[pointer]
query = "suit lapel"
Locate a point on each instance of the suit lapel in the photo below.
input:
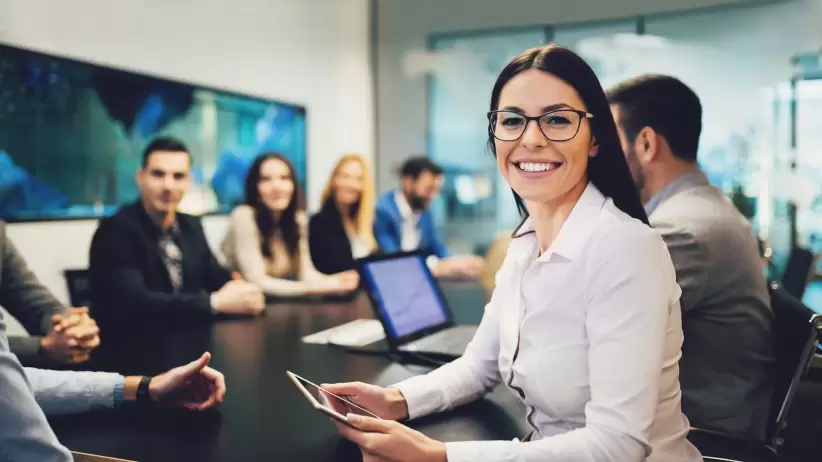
(189, 251)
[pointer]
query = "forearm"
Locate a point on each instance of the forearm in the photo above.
(589, 444)
(279, 286)
(449, 386)
(121, 300)
(69, 392)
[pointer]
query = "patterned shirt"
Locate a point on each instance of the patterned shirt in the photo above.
(172, 255)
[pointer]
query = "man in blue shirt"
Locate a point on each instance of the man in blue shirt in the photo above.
(403, 221)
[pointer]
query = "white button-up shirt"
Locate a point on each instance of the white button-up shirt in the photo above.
(410, 233)
(588, 335)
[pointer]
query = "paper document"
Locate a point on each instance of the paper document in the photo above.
(84, 457)
(359, 332)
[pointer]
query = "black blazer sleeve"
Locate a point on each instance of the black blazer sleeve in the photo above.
(118, 287)
(216, 274)
(329, 246)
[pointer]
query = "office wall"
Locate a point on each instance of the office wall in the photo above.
(404, 26)
(310, 52)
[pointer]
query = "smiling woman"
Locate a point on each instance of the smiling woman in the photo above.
(587, 293)
(267, 239)
(573, 118)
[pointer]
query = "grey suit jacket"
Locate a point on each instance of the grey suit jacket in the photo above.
(727, 355)
(22, 295)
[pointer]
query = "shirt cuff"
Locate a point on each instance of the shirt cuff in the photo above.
(27, 350)
(432, 261)
(212, 302)
(475, 451)
(119, 393)
(422, 396)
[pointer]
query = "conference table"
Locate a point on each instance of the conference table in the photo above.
(264, 416)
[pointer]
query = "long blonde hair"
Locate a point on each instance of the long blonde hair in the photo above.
(364, 222)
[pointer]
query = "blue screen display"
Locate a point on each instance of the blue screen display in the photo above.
(405, 295)
(72, 136)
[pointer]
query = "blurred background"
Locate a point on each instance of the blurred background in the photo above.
(85, 84)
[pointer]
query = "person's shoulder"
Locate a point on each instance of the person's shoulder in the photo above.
(242, 214)
(189, 222)
(617, 232)
(704, 214)
(125, 218)
(385, 200)
(320, 219)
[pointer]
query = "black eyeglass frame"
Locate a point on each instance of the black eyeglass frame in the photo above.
(582, 115)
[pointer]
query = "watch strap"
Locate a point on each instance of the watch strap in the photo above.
(143, 396)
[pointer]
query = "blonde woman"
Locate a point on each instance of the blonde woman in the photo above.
(266, 240)
(342, 230)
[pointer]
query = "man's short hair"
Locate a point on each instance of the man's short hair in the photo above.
(664, 104)
(166, 143)
(416, 166)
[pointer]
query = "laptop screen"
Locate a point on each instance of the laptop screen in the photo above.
(405, 294)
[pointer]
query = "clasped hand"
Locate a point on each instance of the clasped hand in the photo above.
(72, 337)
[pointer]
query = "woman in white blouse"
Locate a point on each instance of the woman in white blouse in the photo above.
(267, 237)
(584, 323)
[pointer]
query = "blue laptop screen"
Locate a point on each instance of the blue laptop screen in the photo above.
(405, 294)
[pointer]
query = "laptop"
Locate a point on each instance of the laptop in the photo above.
(408, 302)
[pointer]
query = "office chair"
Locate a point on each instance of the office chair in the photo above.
(796, 330)
(79, 288)
(798, 271)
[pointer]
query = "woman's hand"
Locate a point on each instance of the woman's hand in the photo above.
(390, 441)
(337, 284)
(388, 403)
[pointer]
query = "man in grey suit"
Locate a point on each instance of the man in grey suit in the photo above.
(60, 335)
(727, 355)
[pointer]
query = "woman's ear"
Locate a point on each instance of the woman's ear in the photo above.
(594, 148)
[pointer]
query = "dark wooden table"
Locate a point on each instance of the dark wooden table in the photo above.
(264, 417)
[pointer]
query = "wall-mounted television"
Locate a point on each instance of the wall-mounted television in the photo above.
(72, 136)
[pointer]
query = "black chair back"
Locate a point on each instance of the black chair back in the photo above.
(798, 271)
(79, 288)
(795, 334)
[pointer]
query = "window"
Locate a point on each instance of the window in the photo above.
(476, 201)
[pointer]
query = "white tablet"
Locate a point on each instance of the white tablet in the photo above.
(326, 402)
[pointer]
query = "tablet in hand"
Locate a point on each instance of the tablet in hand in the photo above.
(326, 402)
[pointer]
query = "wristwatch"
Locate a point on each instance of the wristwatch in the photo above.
(143, 396)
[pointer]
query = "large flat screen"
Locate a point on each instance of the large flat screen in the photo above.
(72, 136)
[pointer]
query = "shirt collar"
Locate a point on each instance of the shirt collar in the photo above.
(173, 230)
(684, 181)
(406, 212)
(575, 231)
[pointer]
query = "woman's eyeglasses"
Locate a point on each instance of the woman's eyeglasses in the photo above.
(558, 125)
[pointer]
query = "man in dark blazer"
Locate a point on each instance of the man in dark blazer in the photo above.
(59, 335)
(148, 262)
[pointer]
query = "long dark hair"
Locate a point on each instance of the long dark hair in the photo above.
(268, 226)
(608, 170)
